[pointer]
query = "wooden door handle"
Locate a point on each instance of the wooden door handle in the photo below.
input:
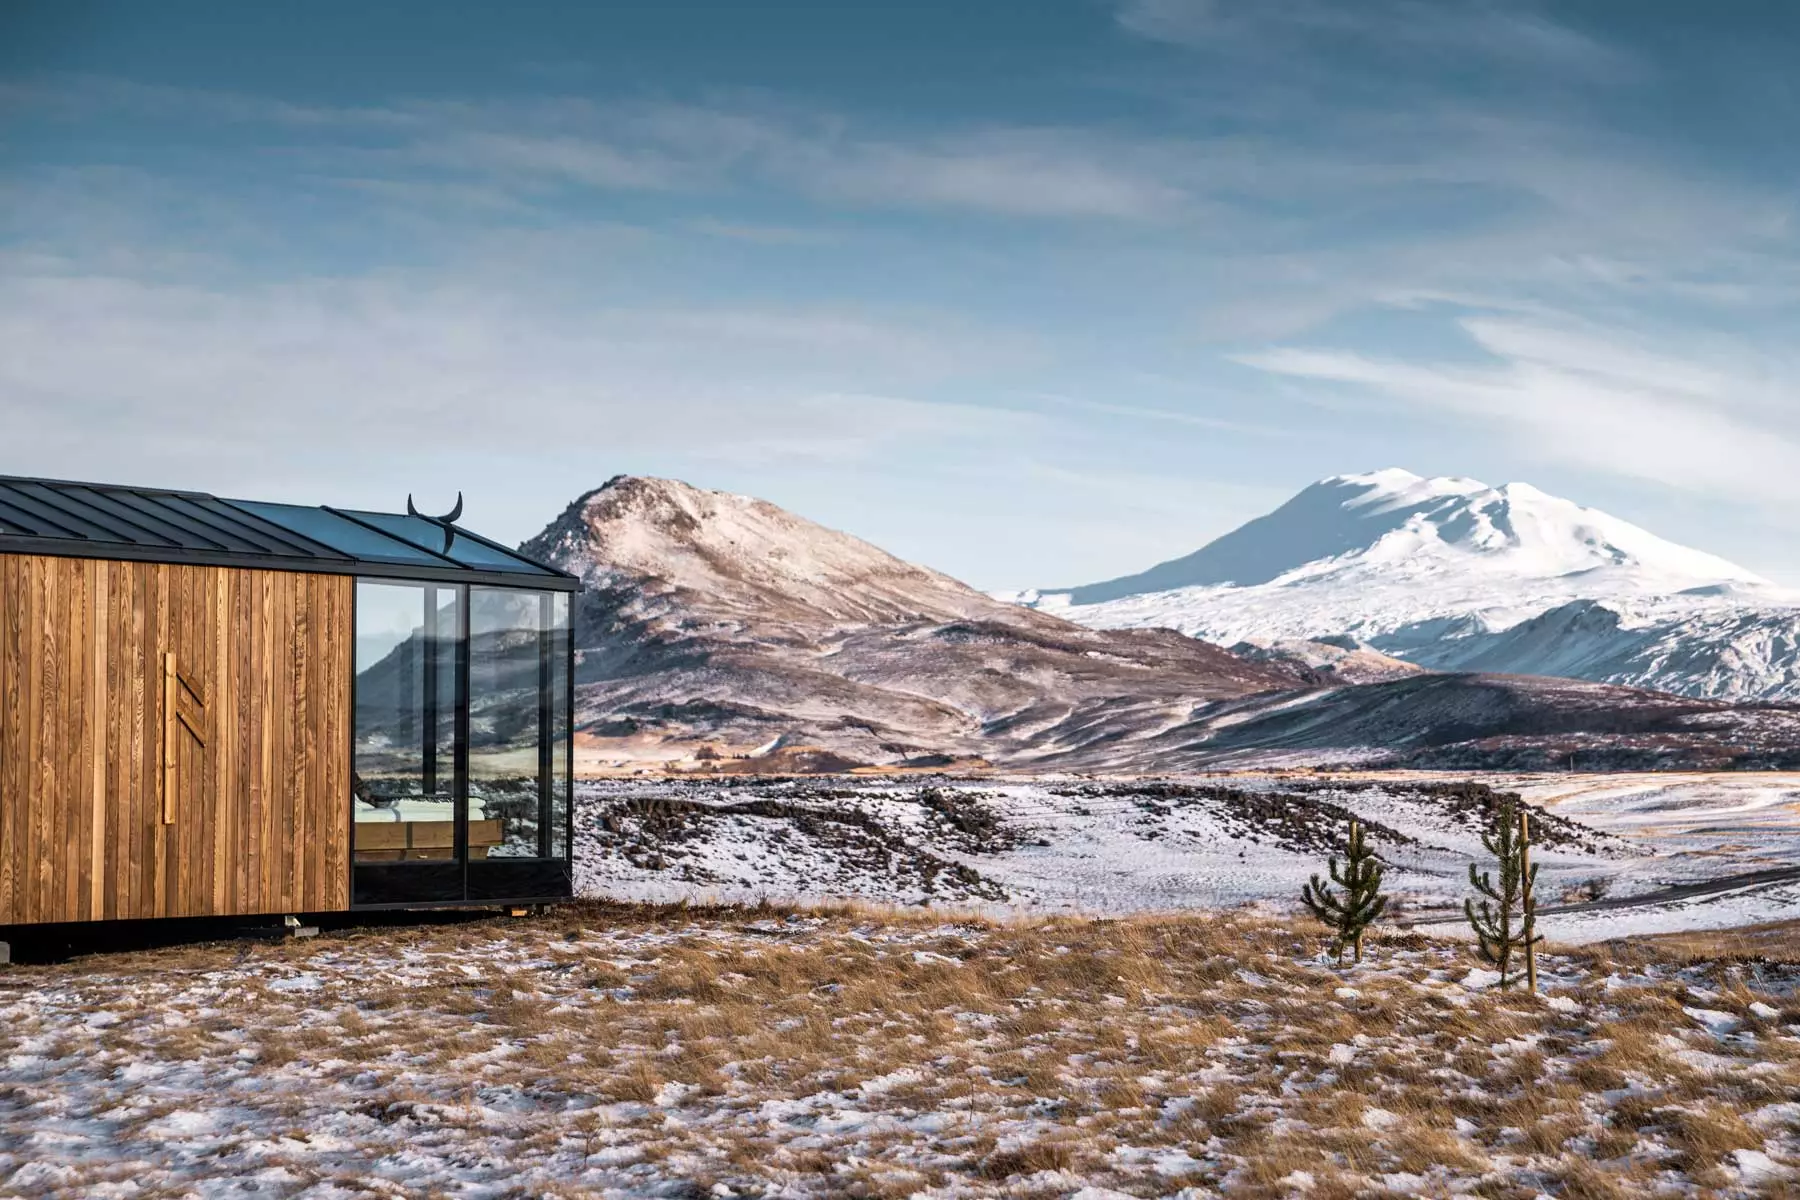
(184, 707)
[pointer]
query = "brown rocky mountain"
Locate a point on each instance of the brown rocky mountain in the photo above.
(710, 619)
(1339, 659)
(715, 625)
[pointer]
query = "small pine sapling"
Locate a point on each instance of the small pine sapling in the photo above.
(1359, 905)
(1505, 922)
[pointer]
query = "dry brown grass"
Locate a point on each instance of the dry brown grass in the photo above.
(716, 1045)
(1774, 942)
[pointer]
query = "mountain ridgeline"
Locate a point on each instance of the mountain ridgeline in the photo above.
(720, 631)
(1452, 575)
(720, 621)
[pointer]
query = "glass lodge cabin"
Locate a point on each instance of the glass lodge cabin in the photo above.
(217, 708)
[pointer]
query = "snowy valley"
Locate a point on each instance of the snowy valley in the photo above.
(1619, 854)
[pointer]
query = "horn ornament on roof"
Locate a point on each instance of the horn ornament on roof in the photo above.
(447, 522)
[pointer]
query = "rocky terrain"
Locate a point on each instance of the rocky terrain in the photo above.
(720, 633)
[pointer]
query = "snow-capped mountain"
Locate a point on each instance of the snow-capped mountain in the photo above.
(1451, 574)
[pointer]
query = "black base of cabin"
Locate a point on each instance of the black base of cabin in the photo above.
(498, 881)
(60, 942)
(491, 881)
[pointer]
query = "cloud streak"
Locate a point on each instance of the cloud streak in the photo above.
(1593, 401)
(1504, 31)
(530, 145)
(345, 377)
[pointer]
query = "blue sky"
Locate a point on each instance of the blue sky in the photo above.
(1036, 293)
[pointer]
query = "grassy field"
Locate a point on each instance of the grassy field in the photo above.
(1774, 943)
(674, 1052)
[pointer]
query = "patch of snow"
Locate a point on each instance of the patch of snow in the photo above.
(1753, 1166)
(883, 1084)
(1716, 1023)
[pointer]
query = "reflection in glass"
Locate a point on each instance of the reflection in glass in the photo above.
(405, 737)
(428, 535)
(426, 656)
(508, 703)
(339, 533)
(561, 749)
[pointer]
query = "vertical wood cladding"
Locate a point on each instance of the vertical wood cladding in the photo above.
(257, 816)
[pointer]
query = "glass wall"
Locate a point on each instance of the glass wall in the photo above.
(462, 694)
(407, 636)
(518, 722)
(562, 761)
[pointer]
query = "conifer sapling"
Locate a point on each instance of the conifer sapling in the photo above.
(1505, 922)
(1359, 905)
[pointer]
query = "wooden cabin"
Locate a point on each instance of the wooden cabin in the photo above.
(226, 708)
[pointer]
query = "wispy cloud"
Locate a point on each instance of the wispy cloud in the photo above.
(82, 96)
(347, 376)
(1606, 403)
(1144, 412)
(760, 233)
(526, 145)
(525, 159)
(1029, 173)
(1517, 33)
(1047, 173)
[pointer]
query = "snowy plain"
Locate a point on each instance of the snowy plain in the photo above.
(630, 1053)
(1026, 1049)
(1636, 842)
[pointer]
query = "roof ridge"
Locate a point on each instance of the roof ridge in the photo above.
(67, 518)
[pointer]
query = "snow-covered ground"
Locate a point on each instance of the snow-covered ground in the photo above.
(630, 1053)
(689, 1052)
(1198, 843)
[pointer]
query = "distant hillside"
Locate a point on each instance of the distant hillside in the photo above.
(716, 628)
(714, 619)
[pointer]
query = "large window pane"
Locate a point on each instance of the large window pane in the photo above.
(428, 535)
(561, 745)
(405, 738)
(508, 723)
(338, 533)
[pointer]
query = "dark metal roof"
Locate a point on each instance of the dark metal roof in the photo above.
(95, 520)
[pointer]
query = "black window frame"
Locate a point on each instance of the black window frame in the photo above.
(520, 879)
